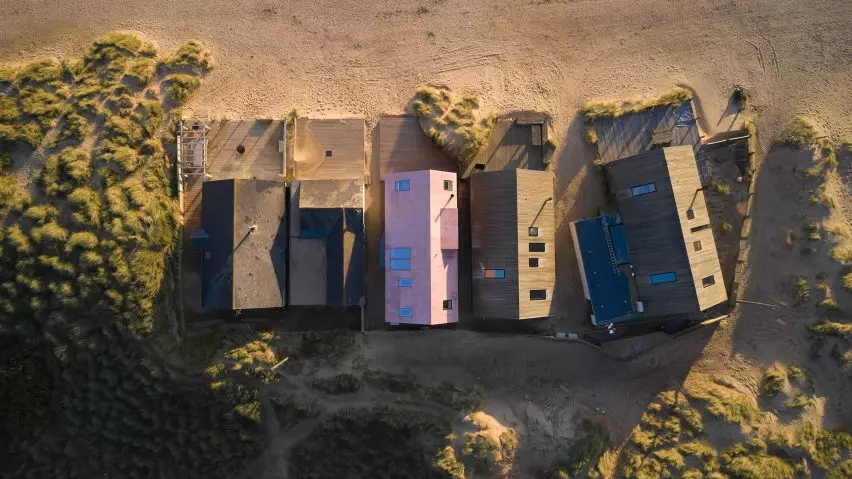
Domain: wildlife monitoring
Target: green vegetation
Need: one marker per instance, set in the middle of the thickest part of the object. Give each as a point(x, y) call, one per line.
point(290, 409)
point(720, 187)
point(825, 298)
point(447, 394)
point(586, 449)
point(180, 86)
point(454, 125)
point(831, 328)
point(774, 380)
point(191, 55)
point(751, 461)
point(339, 384)
point(723, 402)
point(841, 254)
point(398, 441)
point(800, 133)
point(847, 282)
point(84, 260)
point(725, 227)
point(803, 289)
point(812, 230)
point(599, 110)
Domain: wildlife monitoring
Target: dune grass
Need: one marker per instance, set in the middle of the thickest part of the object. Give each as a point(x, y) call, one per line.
point(338, 384)
point(192, 55)
point(599, 110)
point(798, 134)
point(180, 87)
point(831, 328)
point(774, 380)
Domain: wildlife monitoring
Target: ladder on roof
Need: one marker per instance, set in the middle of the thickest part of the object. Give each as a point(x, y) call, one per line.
point(608, 237)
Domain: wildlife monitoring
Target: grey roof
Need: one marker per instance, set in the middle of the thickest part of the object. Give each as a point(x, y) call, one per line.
point(245, 267)
point(662, 228)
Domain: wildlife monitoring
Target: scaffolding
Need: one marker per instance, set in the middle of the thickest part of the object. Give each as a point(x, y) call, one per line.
point(192, 147)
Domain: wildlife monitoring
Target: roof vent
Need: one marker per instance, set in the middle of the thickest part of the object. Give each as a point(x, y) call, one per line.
point(241, 149)
point(327, 153)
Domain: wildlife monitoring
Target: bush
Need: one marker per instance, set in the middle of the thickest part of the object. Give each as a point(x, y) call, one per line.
point(180, 87)
point(722, 402)
point(483, 451)
point(124, 157)
point(773, 382)
point(720, 187)
point(75, 126)
point(44, 71)
point(193, 55)
point(86, 205)
point(42, 213)
point(798, 134)
point(9, 111)
point(113, 46)
point(142, 71)
point(82, 239)
point(123, 132)
point(831, 328)
point(12, 196)
point(65, 171)
point(49, 233)
point(847, 282)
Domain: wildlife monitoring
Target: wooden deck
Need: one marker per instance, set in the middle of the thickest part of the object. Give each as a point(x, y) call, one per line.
point(512, 145)
point(190, 256)
point(329, 149)
point(404, 147)
point(262, 159)
point(634, 133)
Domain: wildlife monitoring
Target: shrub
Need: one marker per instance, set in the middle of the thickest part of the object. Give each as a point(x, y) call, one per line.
point(722, 402)
point(124, 157)
point(798, 134)
point(803, 290)
point(19, 240)
point(8, 73)
point(773, 382)
point(29, 133)
point(82, 239)
point(75, 126)
point(483, 451)
point(591, 136)
point(123, 132)
point(12, 196)
point(150, 116)
point(142, 71)
point(42, 213)
point(113, 46)
point(46, 71)
point(841, 255)
point(9, 111)
point(180, 87)
point(193, 55)
point(49, 233)
point(831, 328)
point(720, 187)
point(796, 373)
point(725, 227)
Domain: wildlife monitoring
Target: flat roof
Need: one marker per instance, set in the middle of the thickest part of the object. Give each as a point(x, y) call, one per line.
point(633, 133)
point(607, 284)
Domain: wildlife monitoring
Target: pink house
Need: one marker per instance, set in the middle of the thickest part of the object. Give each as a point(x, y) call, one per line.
point(421, 248)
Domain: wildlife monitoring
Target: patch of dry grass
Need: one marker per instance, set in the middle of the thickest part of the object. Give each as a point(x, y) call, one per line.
point(598, 110)
point(774, 380)
point(831, 328)
point(798, 134)
point(723, 402)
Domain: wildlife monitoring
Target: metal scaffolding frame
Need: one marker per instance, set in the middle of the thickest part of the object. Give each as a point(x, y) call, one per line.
point(192, 147)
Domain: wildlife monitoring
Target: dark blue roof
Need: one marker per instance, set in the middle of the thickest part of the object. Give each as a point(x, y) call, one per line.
point(217, 205)
point(608, 285)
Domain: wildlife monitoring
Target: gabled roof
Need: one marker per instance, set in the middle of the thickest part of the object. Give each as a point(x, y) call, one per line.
point(244, 267)
point(664, 228)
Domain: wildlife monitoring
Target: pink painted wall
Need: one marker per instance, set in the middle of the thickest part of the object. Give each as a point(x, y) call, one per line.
point(424, 219)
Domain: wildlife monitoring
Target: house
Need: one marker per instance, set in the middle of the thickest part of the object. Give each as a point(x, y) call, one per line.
point(656, 256)
point(421, 248)
point(327, 257)
point(512, 234)
point(243, 243)
point(516, 142)
point(329, 148)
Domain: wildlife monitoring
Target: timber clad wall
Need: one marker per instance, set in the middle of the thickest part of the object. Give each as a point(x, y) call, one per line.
point(504, 204)
point(659, 232)
point(688, 195)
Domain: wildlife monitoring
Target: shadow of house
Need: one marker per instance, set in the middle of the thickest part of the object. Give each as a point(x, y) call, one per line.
point(243, 244)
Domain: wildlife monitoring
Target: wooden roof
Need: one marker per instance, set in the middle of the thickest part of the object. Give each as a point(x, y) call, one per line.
point(512, 145)
point(331, 149)
point(661, 233)
point(504, 205)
